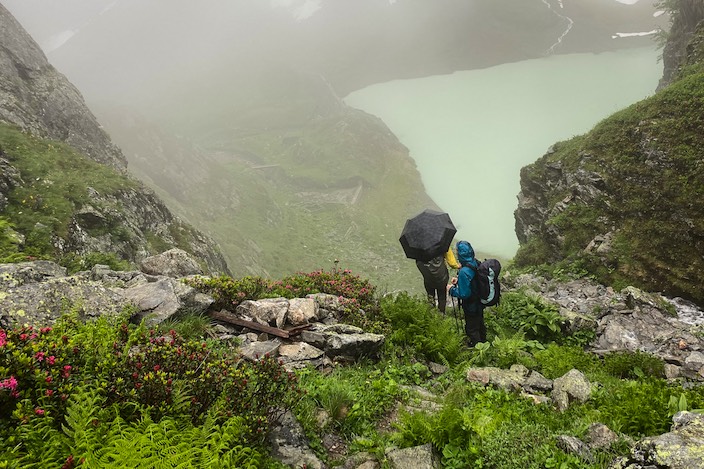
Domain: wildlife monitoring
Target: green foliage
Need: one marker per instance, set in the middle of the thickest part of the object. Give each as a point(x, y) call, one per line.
point(520, 312)
point(355, 398)
point(556, 360)
point(634, 365)
point(76, 263)
point(66, 383)
point(506, 351)
point(637, 408)
point(56, 185)
point(189, 326)
point(418, 330)
point(9, 244)
point(95, 435)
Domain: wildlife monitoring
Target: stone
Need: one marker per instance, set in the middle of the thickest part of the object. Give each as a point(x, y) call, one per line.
point(302, 311)
point(417, 457)
point(290, 446)
point(681, 448)
point(575, 446)
point(165, 298)
point(599, 436)
point(572, 386)
point(174, 263)
point(269, 311)
point(254, 351)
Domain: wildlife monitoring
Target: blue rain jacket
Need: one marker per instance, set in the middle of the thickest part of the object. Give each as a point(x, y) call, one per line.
point(465, 256)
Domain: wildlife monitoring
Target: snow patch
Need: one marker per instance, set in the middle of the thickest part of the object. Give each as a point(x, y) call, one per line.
point(646, 33)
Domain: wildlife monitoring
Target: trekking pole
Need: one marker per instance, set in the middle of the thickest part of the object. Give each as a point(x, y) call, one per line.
point(454, 308)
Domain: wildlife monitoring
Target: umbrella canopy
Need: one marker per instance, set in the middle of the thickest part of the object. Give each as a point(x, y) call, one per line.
point(427, 235)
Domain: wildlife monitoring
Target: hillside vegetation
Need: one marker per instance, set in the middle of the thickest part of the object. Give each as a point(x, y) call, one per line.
point(625, 201)
point(58, 204)
point(113, 394)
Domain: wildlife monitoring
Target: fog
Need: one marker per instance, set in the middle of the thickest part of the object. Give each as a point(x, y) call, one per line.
point(197, 94)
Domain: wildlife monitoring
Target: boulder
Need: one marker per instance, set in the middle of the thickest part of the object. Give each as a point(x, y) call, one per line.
point(681, 448)
point(570, 387)
point(269, 311)
point(290, 446)
point(165, 298)
point(174, 263)
point(417, 457)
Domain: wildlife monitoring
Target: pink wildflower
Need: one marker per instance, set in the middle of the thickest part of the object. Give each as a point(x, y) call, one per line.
point(3, 338)
point(9, 383)
point(39, 411)
point(39, 356)
point(51, 360)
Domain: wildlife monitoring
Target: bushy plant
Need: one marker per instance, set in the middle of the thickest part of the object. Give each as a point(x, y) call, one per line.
point(40, 367)
point(637, 408)
point(75, 263)
point(520, 312)
point(138, 373)
point(419, 331)
point(556, 360)
point(357, 294)
point(229, 292)
point(633, 365)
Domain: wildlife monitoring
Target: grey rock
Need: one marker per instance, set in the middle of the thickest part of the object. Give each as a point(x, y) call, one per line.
point(300, 355)
point(503, 379)
point(302, 311)
point(254, 351)
point(270, 311)
point(165, 298)
point(599, 436)
point(353, 346)
point(681, 448)
point(290, 446)
point(572, 445)
point(174, 263)
point(572, 386)
point(417, 457)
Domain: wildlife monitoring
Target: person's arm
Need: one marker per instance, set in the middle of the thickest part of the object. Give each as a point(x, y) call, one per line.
point(451, 259)
point(463, 288)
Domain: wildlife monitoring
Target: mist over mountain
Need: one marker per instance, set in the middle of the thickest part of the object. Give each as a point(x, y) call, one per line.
point(231, 111)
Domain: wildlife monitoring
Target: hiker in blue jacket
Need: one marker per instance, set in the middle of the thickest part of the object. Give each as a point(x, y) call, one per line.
point(461, 288)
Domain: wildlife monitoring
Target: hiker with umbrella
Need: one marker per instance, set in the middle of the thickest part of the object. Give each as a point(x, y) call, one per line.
point(427, 238)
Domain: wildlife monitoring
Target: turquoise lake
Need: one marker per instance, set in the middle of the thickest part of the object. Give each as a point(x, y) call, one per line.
point(471, 132)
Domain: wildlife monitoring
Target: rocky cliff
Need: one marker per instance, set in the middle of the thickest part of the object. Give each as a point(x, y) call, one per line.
point(681, 33)
point(625, 200)
point(64, 186)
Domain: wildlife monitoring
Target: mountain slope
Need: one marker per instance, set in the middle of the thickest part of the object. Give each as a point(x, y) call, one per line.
point(64, 188)
point(627, 198)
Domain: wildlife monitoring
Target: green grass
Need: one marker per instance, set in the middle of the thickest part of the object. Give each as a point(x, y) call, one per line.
point(55, 184)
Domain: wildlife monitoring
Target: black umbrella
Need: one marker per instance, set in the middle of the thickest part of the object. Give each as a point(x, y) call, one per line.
point(427, 235)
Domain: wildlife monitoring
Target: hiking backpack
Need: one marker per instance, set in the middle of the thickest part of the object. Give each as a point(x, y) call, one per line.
point(486, 282)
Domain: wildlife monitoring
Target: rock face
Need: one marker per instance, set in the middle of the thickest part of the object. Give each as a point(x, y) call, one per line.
point(39, 99)
point(131, 221)
point(616, 199)
point(626, 320)
point(674, 55)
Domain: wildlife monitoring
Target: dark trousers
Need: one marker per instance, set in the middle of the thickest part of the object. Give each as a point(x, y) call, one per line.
point(474, 325)
point(438, 291)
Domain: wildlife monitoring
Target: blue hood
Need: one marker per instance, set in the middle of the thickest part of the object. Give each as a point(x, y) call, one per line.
point(465, 253)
